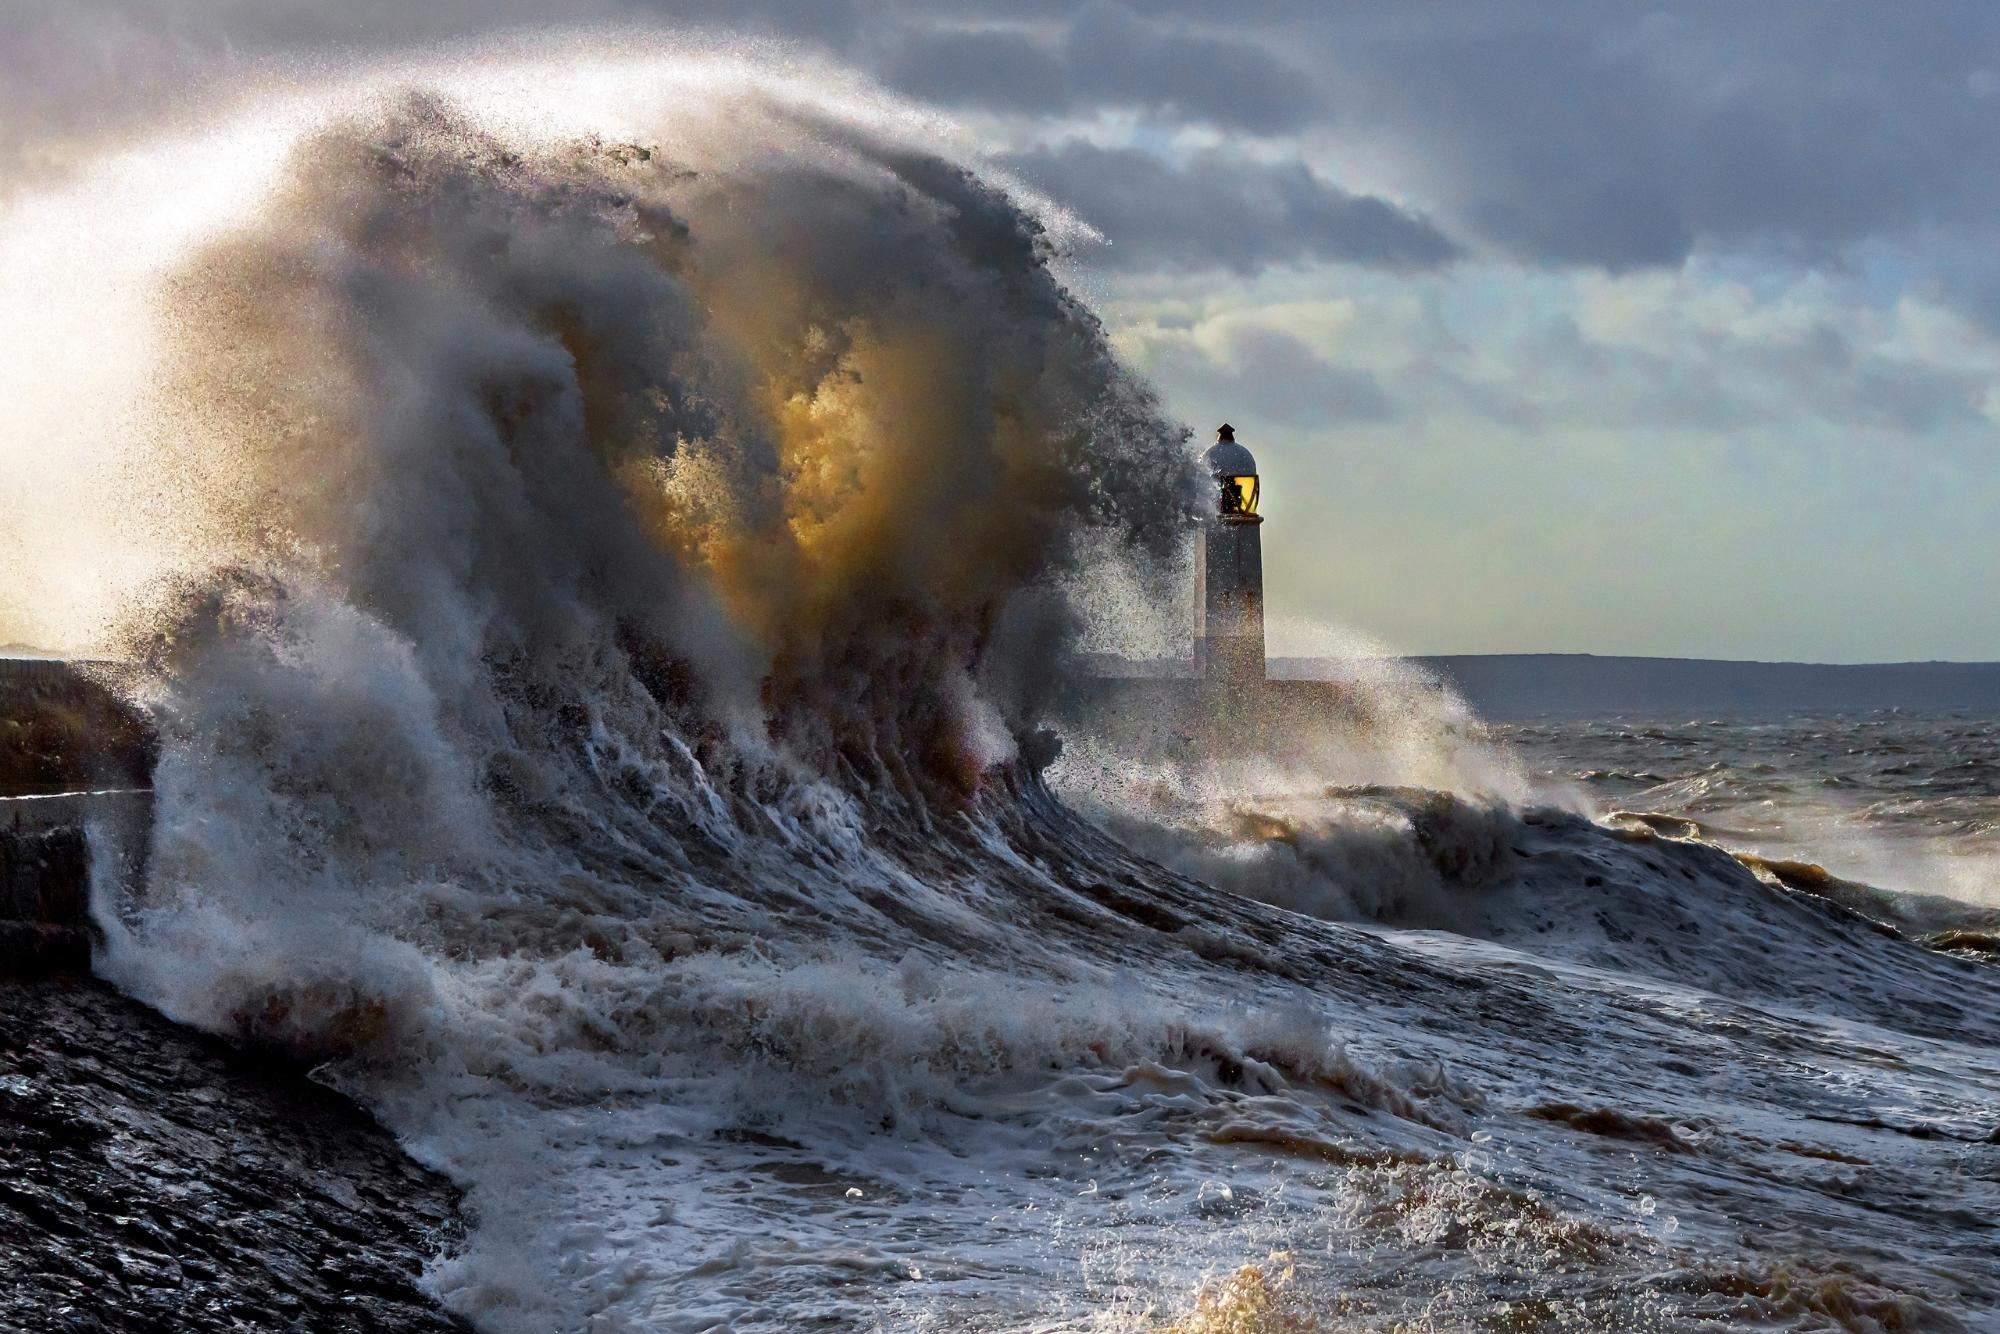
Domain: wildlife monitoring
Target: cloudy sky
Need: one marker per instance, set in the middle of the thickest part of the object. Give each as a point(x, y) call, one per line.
point(1666, 328)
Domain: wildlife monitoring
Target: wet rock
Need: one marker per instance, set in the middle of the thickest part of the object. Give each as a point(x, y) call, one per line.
point(64, 728)
point(152, 1178)
point(44, 900)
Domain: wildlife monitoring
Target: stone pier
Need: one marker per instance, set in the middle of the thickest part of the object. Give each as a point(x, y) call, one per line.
point(75, 804)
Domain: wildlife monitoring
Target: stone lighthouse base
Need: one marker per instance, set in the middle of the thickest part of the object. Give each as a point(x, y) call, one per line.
point(1189, 719)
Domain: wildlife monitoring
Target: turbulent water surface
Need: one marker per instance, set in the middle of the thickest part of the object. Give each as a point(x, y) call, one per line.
point(600, 535)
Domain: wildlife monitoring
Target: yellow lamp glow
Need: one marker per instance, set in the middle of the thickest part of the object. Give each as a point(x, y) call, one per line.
point(1239, 494)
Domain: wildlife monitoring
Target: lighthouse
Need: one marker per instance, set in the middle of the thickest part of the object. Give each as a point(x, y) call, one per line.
point(1229, 570)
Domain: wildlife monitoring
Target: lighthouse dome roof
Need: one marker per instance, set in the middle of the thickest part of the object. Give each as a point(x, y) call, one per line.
point(1226, 458)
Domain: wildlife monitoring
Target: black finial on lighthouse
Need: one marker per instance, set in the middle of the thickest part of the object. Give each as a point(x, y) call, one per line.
point(1225, 432)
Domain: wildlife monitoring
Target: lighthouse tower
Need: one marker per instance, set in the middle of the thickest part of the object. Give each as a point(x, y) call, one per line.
point(1229, 570)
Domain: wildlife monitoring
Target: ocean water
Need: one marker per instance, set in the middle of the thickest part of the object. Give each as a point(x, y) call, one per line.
point(1906, 801)
point(599, 531)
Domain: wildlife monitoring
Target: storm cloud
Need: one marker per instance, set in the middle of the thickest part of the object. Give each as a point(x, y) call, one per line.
point(1107, 57)
point(1220, 211)
point(1620, 136)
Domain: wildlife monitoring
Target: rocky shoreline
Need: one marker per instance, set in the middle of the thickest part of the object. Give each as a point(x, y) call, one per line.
point(152, 1177)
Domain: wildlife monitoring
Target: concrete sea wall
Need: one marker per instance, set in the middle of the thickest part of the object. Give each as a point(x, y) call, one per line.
point(75, 803)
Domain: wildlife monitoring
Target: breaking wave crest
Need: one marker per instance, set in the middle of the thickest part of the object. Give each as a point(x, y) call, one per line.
point(562, 502)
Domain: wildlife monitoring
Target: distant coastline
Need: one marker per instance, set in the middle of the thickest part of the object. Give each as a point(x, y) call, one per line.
point(1520, 685)
point(1527, 685)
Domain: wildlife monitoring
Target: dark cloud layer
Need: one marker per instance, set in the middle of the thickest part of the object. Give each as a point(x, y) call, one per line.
point(1107, 57)
point(1623, 137)
point(1622, 134)
point(1220, 211)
